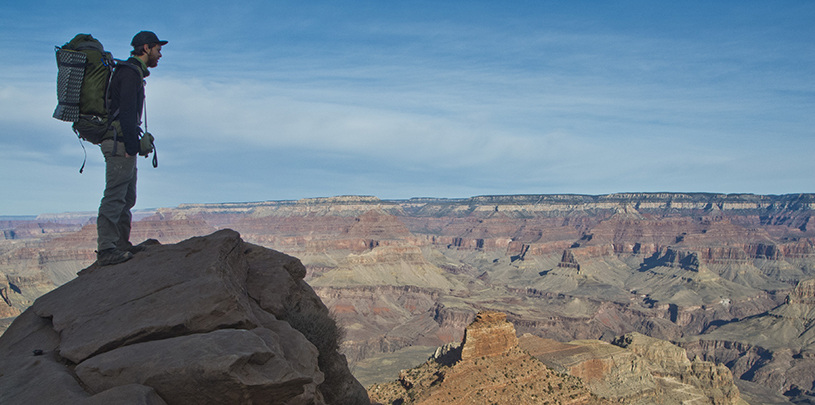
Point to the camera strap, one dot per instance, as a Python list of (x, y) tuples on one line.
[(144, 104)]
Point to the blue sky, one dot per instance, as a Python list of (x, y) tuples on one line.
[(279, 100)]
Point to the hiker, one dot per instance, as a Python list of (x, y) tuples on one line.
[(120, 146)]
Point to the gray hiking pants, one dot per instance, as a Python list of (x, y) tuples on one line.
[(113, 222)]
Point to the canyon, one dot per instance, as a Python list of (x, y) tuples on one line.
[(403, 277)]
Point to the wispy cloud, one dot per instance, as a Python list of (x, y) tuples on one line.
[(270, 100)]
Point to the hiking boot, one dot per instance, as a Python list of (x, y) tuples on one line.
[(133, 249), (141, 247), (112, 256)]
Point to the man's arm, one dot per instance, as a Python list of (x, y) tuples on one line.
[(129, 94)]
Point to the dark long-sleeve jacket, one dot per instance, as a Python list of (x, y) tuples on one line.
[(127, 96)]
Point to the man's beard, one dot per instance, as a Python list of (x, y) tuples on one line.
[(152, 61)]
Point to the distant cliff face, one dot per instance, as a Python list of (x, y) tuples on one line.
[(211, 320), (400, 273), (774, 349)]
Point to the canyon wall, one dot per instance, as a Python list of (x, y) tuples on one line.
[(404, 273)]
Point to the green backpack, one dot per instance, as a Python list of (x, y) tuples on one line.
[(82, 82)]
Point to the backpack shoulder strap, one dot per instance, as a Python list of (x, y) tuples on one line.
[(120, 62)]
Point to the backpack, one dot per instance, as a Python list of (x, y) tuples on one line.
[(84, 73)]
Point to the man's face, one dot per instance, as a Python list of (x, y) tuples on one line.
[(153, 55)]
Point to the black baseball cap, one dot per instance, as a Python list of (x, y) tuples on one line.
[(144, 38)]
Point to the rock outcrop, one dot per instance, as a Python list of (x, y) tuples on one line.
[(607, 370), (636, 369), (490, 335), (487, 368), (33, 267), (667, 361), (206, 321)]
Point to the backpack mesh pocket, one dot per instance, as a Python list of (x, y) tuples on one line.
[(71, 65)]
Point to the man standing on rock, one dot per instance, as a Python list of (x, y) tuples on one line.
[(120, 148)]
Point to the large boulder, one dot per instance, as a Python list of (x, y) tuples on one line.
[(195, 286), (198, 322), (231, 366)]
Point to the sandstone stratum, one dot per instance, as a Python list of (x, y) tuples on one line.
[(210, 320), (406, 276)]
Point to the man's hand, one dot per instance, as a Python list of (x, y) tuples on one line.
[(146, 144)]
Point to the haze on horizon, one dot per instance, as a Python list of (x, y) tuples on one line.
[(286, 100)]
